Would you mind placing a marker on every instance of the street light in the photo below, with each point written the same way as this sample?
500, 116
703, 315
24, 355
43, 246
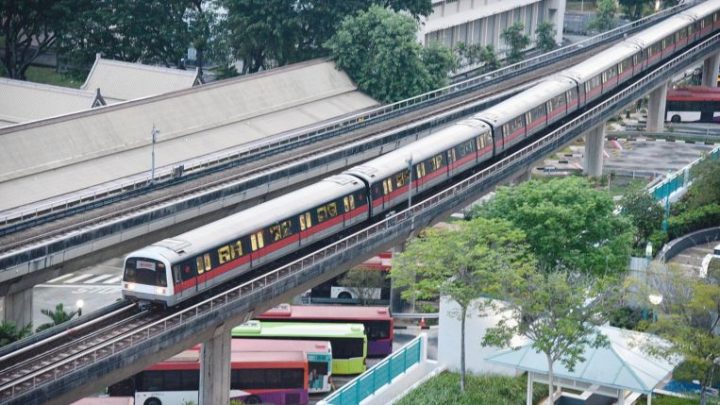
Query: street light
79, 304
655, 299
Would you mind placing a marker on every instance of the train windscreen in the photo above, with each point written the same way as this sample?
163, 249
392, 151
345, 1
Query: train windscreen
145, 271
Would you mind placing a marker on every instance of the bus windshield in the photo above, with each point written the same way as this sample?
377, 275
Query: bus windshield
145, 271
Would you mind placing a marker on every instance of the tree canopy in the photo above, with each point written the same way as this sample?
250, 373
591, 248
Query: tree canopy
569, 225
364, 283
635, 9
378, 49
705, 188
463, 265
644, 212
546, 36
604, 19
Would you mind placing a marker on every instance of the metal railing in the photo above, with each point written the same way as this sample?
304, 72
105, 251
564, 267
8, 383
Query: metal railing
449, 198
379, 375
306, 135
681, 178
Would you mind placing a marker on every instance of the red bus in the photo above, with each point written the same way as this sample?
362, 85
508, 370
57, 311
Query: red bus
377, 321
278, 378
317, 352
692, 104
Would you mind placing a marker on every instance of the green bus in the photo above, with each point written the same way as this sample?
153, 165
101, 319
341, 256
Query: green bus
348, 340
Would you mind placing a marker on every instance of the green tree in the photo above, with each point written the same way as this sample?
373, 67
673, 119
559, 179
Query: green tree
569, 225
378, 49
689, 314
9, 332
515, 37
546, 36
363, 283
604, 19
438, 60
644, 212
558, 311
705, 187
489, 57
463, 265
151, 32
635, 9
31, 28
57, 316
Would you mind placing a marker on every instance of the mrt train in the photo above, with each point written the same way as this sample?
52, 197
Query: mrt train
175, 269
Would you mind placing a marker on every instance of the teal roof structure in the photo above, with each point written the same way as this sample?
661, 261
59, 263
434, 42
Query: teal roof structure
623, 364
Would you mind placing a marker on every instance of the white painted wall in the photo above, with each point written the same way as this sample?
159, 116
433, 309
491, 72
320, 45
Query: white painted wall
449, 341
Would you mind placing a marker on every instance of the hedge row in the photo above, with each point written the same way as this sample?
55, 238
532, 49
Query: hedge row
694, 220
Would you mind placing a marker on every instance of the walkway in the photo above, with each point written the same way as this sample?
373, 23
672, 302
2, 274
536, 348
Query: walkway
405, 383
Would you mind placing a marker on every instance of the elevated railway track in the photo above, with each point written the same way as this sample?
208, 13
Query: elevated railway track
60, 377
228, 182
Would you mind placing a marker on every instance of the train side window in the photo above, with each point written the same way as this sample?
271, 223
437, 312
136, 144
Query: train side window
420, 170
387, 186
480, 141
305, 221
349, 203
401, 179
276, 232
332, 210
451, 155
257, 241
200, 264
177, 275
225, 254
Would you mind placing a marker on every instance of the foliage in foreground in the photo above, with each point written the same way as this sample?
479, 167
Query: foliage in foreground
9, 332
485, 390
57, 316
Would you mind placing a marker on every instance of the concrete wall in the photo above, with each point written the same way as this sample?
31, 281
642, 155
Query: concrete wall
475, 353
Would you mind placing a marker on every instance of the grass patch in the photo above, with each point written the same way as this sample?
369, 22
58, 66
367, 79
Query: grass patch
666, 400
48, 75
479, 390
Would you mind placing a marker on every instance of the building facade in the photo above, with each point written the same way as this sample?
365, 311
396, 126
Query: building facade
482, 21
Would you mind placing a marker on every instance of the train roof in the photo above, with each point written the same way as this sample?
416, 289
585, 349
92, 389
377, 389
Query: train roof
299, 329
702, 10
252, 219
423, 149
272, 345
338, 312
657, 32
601, 62
509, 109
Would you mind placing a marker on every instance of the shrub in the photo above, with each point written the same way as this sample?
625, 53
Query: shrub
693, 220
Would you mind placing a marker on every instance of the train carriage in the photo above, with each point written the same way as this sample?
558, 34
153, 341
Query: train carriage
434, 159
659, 42
217, 252
706, 17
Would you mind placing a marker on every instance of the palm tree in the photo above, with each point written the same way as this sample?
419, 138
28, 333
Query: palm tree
58, 316
9, 332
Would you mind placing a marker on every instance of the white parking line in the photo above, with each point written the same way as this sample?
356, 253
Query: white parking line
113, 280
78, 278
56, 279
97, 279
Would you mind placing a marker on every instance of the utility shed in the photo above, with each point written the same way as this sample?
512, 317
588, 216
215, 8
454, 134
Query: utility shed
120, 81
47, 159
22, 101
616, 371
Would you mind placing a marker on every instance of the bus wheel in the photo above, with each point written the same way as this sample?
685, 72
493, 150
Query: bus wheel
675, 118
253, 400
152, 401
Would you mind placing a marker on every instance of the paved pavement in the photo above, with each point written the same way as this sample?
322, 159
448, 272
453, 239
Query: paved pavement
691, 259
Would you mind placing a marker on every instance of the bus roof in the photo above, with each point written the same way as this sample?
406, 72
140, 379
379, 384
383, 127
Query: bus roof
271, 345
297, 329
190, 360
694, 93
336, 312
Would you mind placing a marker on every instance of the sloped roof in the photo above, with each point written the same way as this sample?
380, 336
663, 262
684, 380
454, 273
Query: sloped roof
119, 81
622, 364
22, 101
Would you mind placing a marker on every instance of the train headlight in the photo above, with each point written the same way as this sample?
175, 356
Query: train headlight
160, 290
129, 286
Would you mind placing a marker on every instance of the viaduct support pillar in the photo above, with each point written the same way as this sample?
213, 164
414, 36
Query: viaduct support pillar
215, 368
594, 148
19, 307
710, 70
656, 109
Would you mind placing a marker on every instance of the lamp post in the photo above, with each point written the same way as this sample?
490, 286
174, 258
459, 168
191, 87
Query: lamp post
79, 304
656, 300
154, 134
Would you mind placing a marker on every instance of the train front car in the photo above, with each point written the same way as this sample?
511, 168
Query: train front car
146, 278
210, 255
434, 159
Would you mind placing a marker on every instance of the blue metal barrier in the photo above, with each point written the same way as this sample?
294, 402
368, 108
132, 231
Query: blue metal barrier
378, 376
679, 179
